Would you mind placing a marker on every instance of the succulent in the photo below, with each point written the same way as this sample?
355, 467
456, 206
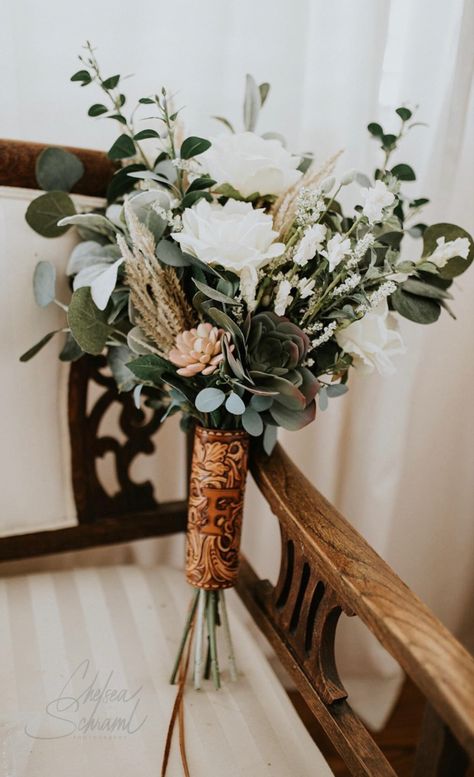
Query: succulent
276, 350
198, 350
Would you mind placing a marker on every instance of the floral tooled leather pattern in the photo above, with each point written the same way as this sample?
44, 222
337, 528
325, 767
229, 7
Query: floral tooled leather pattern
217, 486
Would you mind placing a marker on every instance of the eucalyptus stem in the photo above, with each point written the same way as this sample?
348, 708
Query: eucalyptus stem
228, 638
211, 627
187, 627
200, 626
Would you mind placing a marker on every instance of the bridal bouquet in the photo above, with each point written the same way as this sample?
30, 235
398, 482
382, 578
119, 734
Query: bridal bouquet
224, 280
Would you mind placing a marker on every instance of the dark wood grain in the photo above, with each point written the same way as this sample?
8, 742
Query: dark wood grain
18, 159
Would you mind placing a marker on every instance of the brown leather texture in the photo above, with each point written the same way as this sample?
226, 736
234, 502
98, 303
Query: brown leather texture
216, 499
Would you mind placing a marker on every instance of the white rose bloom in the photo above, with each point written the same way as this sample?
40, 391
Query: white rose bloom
311, 242
375, 200
283, 297
337, 249
372, 341
233, 235
446, 251
251, 164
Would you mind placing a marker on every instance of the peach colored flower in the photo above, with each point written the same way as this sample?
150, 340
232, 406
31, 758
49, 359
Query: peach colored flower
198, 350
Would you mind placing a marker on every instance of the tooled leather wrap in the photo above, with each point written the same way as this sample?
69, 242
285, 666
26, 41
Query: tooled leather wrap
216, 497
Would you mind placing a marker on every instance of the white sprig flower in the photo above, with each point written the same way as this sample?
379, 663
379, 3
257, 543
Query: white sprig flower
347, 286
305, 287
248, 286
337, 248
446, 251
311, 242
283, 297
325, 335
374, 201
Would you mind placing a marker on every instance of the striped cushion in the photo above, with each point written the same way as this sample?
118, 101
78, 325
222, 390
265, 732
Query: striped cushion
85, 657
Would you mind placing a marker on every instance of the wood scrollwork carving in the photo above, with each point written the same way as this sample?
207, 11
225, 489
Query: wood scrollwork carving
88, 446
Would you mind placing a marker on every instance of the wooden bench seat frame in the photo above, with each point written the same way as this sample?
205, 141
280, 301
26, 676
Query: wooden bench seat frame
326, 567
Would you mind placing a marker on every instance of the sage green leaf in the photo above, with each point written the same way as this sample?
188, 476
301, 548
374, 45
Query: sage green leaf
44, 213
209, 399
121, 182
264, 90
337, 390
225, 122
122, 148
204, 182
234, 404
71, 351
142, 206
44, 283
270, 437
323, 399
215, 294
58, 170
252, 103
117, 358
223, 320
252, 422
425, 289
260, 404
88, 324
421, 310
138, 342
94, 222
454, 266
39, 345
193, 146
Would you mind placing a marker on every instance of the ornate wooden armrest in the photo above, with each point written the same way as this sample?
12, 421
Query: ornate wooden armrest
326, 568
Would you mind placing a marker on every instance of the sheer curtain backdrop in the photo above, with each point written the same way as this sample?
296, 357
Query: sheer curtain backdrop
395, 455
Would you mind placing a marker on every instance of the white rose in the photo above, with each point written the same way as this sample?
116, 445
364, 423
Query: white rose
337, 249
372, 341
311, 242
446, 251
375, 200
251, 164
233, 235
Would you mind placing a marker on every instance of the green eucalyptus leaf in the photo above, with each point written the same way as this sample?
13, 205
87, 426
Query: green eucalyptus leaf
71, 350
336, 390
149, 368
323, 399
404, 113
403, 172
193, 146
270, 437
234, 404
44, 283
414, 286
121, 182
58, 170
264, 90
170, 253
111, 82
454, 266
38, 346
389, 142
225, 122
117, 358
145, 134
44, 213
97, 110
88, 324
191, 198
252, 422
204, 182
260, 404
375, 129
209, 399
421, 310
122, 148
83, 76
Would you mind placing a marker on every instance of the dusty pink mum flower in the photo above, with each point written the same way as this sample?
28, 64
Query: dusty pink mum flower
198, 350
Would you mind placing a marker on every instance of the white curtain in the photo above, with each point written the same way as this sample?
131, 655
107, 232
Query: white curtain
395, 455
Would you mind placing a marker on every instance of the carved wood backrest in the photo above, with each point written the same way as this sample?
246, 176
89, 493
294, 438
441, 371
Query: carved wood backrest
326, 566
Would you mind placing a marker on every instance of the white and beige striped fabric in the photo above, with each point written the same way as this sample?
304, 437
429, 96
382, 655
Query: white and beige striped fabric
85, 658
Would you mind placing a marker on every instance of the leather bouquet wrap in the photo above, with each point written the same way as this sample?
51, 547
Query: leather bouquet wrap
216, 498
